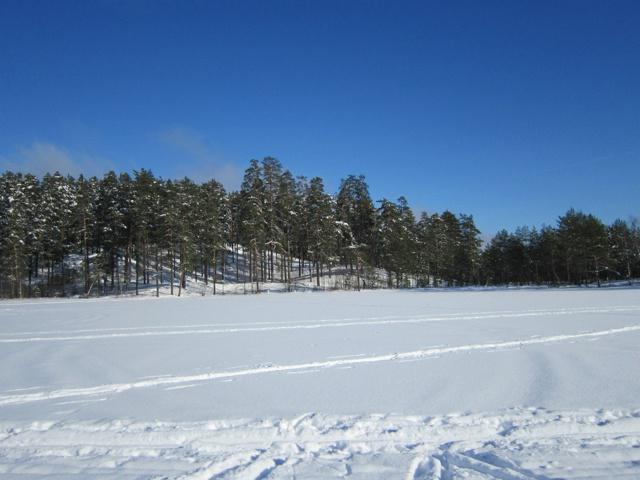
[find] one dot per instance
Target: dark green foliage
(121, 233)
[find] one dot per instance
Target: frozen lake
(378, 384)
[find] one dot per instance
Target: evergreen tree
(85, 224)
(623, 249)
(58, 206)
(468, 256)
(396, 239)
(111, 227)
(212, 227)
(252, 223)
(583, 241)
(449, 244)
(355, 209)
(286, 220)
(322, 235)
(271, 178)
(18, 230)
(99, 235)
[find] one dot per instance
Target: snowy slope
(406, 384)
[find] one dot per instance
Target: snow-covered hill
(506, 384)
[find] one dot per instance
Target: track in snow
(151, 331)
(16, 399)
(511, 445)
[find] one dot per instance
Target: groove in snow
(214, 375)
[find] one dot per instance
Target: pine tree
(408, 245)
(85, 224)
(285, 220)
(322, 234)
(449, 245)
(621, 245)
(389, 232)
(112, 225)
(355, 209)
(212, 227)
(144, 216)
(187, 201)
(58, 206)
(15, 230)
(86, 232)
(271, 177)
(252, 223)
(468, 257)
(583, 239)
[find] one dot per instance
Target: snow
(510, 384)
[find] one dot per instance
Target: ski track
(129, 332)
(516, 444)
(113, 388)
(324, 320)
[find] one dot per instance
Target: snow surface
(509, 384)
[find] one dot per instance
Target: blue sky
(511, 111)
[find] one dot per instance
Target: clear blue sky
(513, 111)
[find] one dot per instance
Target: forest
(125, 232)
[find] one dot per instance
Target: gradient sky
(513, 111)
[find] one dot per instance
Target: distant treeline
(62, 235)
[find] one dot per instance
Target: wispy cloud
(205, 164)
(40, 158)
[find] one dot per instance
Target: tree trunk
(259, 261)
(237, 264)
(180, 273)
(62, 274)
(18, 273)
(215, 270)
(137, 270)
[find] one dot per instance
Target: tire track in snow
(273, 368)
(338, 323)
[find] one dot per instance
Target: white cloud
(40, 158)
(204, 164)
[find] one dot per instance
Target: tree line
(61, 235)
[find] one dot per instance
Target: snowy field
(505, 384)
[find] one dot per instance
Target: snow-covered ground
(509, 384)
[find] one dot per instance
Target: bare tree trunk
(250, 268)
(259, 260)
(288, 266)
(137, 271)
(173, 266)
(271, 263)
(18, 273)
(215, 270)
(180, 273)
(29, 281)
(244, 276)
(224, 262)
(224, 266)
(62, 275)
(237, 263)
(118, 276)
(86, 255)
